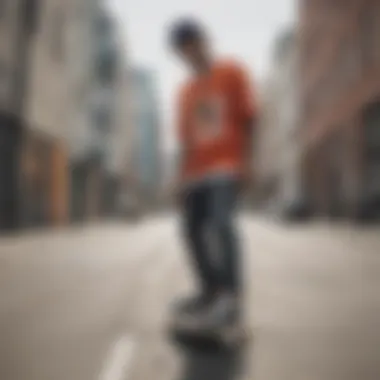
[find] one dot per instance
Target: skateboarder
(217, 112)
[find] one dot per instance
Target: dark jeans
(210, 209)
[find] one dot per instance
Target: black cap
(184, 31)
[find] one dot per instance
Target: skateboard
(229, 336)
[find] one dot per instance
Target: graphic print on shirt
(208, 118)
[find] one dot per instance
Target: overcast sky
(242, 28)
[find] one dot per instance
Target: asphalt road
(92, 304)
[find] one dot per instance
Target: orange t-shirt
(213, 114)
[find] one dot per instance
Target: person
(216, 117)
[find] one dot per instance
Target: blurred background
(87, 92)
(86, 107)
(87, 95)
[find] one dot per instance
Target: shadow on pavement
(210, 362)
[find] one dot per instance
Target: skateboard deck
(231, 336)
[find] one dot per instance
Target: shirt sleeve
(244, 94)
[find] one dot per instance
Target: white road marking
(119, 359)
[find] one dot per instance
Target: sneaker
(194, 305)
(225, 310)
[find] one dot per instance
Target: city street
(91, 304)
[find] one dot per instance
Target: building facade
(12, 35)
(111, 114)
(266, 153)
(61, 74)
(119, 161)
(46, 113)
(100, 127)
(81, 68)
(33, 98)
(94, 68)
(340, 92)
(279, 147)
(146, 155)
(14, 39)
(290, 192)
